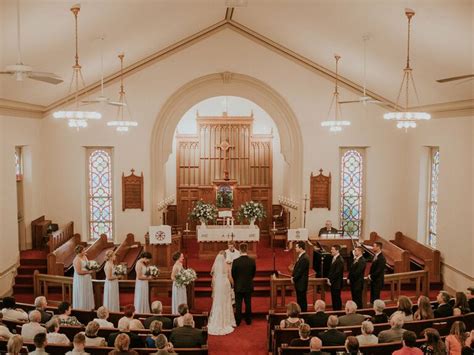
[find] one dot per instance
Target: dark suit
(379, 318)
(335, 277)
(356, 278)
(243, 272)
(443, 310)
(318, 320)
(167, 323)
(377, 273)
(332, 337)
(324, 230)
(471, 304)
(45, 316)
(300, 280)
(135, 340)
(186, 337)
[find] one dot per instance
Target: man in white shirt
(4, 331)
(40, 343)
(231, 253)
(9, 311)
(29, 330)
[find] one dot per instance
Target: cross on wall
(224, 147)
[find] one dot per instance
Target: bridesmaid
(178, 295)
(142, 302)
(111, 287)
(82, 292)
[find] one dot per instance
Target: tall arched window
(433, 198)
(100, 210)
(352, 179)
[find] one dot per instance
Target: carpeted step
(30, 269)
(24, 280)
(41, 262)
(23, 289)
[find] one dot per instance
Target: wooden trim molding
(462, 273)
(21, 109)
(9, 269)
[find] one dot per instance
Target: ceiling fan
(455, 78)
(21, 71)
(364, 99)
(102, 99)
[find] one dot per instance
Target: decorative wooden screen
(132, 191)
(320, 191)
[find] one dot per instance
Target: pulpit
(162, 254)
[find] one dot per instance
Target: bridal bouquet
(203, 212)
(120, 270)
(92, 265)
(251, 210)
(185, 277)
(152, 271)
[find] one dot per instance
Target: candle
(274, 226)
(187, 226)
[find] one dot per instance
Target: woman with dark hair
(178, 294)
(182, 310)
(404, 309)
(352, 345)
(65, 318)
(155, 328)
(293, 311)
(142, 303)
(456, 339)
(424, 310)
(433, 345)
(82, 292)
(461, 305)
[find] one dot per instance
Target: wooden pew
(428, 258)
(98, 249)
(128, 252)
(60, 260)
(397, 259)
(58, 238)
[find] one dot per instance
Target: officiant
(231, 253)
(327, 229)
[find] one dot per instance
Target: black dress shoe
(248, 321)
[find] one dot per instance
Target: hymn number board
(320, 191)
(132, 191)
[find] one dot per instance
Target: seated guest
(14, 345)
(470, 297)
(352, 345)
(461, 306)
(293, 311)
(404, 309)
(456, 339)
(380, 316)
(65, 318)
(182, 310)
(4, 331)
(408, 345)
(319, 318)
(102, 316)
(164, 347)
(304, 331)
(124, 328)
(351, 317)
(366, 337)
(136, 324)
(40, 343)
(332, 336)
(424, 310)
(155, 328)
(186, 336)
(122, 344)
(395, 332)
(128, 314)
(10, 312)
(79, 343)
(40, 306)
(444, 308)
(91, 335)
(157, 310)
(29, 330)
(53, 336)
(327, 229)
(315, 346)
(433, 345)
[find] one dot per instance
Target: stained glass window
(18, 163)
(433, 198)
(352, 175)
(100, 193)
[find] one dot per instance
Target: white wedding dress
(221, 319)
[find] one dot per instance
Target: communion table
(212, 239)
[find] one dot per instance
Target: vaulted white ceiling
(442, 45)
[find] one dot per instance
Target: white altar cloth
(239, 233)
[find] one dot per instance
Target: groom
(243, 272)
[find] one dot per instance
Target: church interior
(190, 127)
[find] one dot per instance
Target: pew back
(59, 237)
(397, 258)
(128, 252)
(60, 260)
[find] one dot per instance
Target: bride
(221, 319)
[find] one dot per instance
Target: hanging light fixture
(407, 119)
(336, 124)
(121, 124)
(77, 118)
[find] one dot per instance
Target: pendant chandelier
(407, 119)
(120, 124)
(336, 124)
(77, 118)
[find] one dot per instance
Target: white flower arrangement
(251, 210)
(120, 270)
(203, 212)
(92, 265)
(185, 277)
(152, 271)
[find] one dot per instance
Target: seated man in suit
(304, 332)
(327, 229)
(319, 319)
(470, 298)
(444, 308)
(351, 317)
(380, 316)
(332, 336)
(187, 336)
(157, 309)
(396, 331)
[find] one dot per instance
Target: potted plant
(203, 212)
(251, 211)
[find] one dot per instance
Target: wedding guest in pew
(29, 330)
(444, 308)
(54, 336)
(304, 332)
(395, 332)
(367, 338)
(433, 344)
(377, 272)
(183, 309)
(40, 305)
(10, 312)
(352, 346)
(91, 331)
(14, 345)
(471, 298)
(380, 316)
(408, 345)
(351, 317)
(315, 346)
(332, 336)
(186, 336)
(424, 310)
(293, 311)
(135, 324)
(461, 306)
(157, 310)
(456, 339)
(319, 319)
(102, 316)
(65, 318)
(404, 308)
(40, 342)
(122, 345)
(79, 343)
(4, 331)
(128, 314)
(124, 328)
(155, 328)
(164, 346)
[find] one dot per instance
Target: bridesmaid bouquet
(185, 277)
(152, 271)
(92, 265)
(120, 270)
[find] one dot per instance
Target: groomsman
(377, 272)
(356, 276)
(335, 277)
(300, 275)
